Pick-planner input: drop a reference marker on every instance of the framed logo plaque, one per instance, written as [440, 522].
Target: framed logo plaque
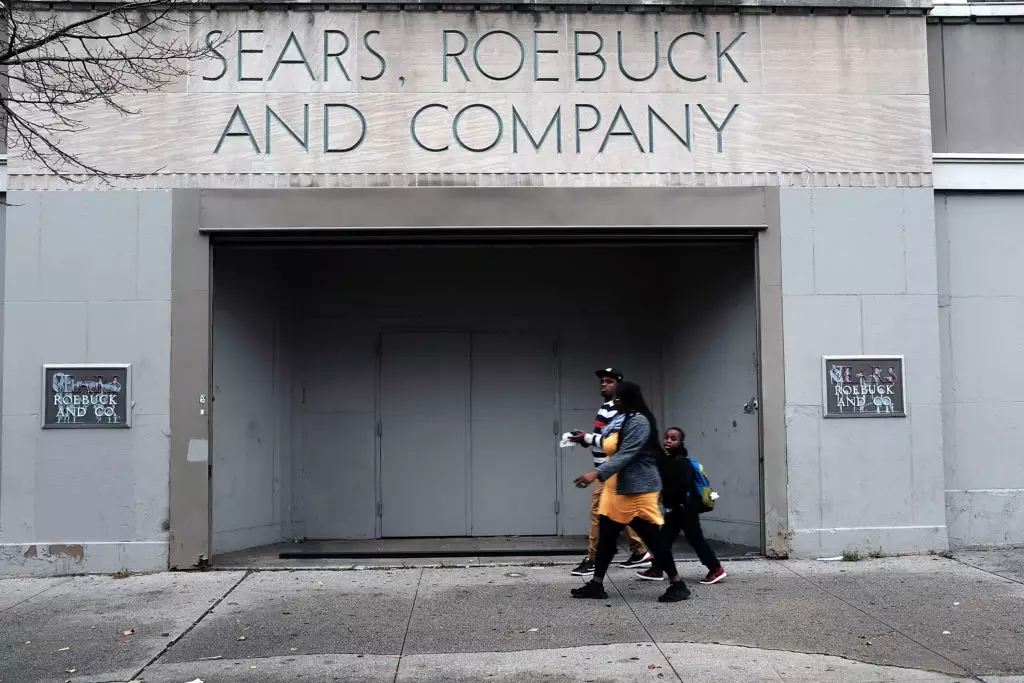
[864, 386]
[87, 396]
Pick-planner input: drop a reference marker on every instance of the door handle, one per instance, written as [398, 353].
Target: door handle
[750, 407]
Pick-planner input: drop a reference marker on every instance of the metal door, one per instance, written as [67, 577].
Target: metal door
[514, 444]
[424, 451]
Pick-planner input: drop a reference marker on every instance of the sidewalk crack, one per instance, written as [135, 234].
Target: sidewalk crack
[881, 621]
[988, 571]
[191, 626]
[408, 625]
[36, 595]
[654, 640]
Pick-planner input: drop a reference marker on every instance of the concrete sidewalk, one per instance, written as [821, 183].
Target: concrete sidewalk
[899, 619]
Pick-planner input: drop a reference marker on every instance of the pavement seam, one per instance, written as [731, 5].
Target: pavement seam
[191, 627]
[408, 625]
[36, 595]
[650, 635]
[881, 621]
[987, 571]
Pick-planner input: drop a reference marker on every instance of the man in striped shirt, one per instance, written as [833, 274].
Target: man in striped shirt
[639, 557]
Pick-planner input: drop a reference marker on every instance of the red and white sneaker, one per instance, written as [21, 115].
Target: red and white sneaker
[714, 577]
[651, 574]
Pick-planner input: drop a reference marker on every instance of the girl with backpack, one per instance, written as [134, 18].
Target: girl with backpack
[682, 502]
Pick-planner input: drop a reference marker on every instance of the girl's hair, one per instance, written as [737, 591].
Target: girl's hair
[631, 400]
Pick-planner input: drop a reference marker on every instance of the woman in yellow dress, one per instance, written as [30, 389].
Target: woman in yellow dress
[632, 485]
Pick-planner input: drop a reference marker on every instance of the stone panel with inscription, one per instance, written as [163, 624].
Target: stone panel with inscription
[459, 92]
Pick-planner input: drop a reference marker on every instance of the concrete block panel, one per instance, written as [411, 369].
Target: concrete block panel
[902, 539]
[34, 334]
[797, 231]
[987, 339]
[83, 260]
[858, 241]
[866, 473]
[985, 245]
[151, 463]
[18, 478]
[136, 332]
[927, 465]
[815, 326]
[154, 277]
[993, 517]
[21, 261]
[920, 236]
[803, 453]
[85, 482]
[979, 61]
[937, 86]
[63, 559]
[907, 325]
[987, 436]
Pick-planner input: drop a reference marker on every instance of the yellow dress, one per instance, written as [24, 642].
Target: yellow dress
[624, 508]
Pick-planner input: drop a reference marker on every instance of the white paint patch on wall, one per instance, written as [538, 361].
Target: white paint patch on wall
[198, 450]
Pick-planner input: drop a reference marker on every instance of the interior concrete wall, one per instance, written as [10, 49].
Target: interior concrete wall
[252, 401]
[80, 291]
[345, 298]
[859, 277]
[342, 299]
[982, 316]
[710, 367]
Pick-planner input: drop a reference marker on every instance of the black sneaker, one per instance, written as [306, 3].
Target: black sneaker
[591, 589]
[586, 568]
[638, 561]
[675, 593]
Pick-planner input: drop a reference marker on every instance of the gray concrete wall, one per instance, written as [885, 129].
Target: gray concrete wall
[710, 374]
[87, 279]
[976, 72]
[251, 445]
[859, 277]
[982, 316]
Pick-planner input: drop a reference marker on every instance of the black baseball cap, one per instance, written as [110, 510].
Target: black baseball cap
[610, 372]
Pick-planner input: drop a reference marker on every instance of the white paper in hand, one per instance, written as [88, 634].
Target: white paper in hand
[565, 443]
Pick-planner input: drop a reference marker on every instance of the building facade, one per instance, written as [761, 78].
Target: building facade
[367, 262]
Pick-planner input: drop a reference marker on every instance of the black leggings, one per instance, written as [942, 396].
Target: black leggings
[689, 523]
[608, 541]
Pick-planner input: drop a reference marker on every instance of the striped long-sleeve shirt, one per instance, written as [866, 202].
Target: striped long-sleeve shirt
[605, 414]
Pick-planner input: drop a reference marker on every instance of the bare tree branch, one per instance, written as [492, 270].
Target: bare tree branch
[60, 64]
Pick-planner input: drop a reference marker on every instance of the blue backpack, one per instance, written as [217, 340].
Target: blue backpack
[702, 498]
